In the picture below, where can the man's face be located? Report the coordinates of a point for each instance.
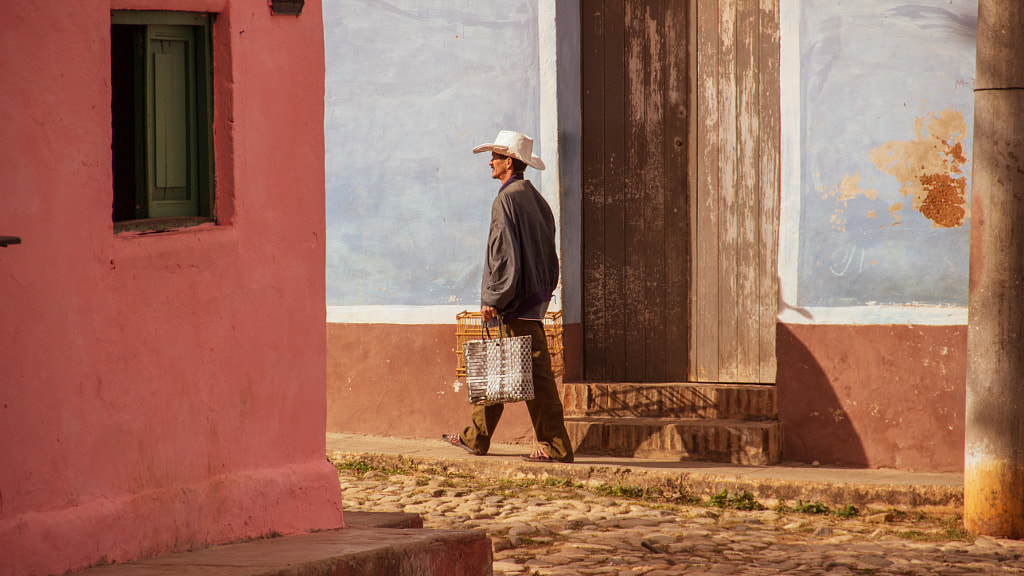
(501, 166)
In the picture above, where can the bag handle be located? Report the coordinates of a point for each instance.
(502, 328)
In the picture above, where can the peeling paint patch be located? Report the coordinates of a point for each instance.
(896, 211)
(837, 414)
(929, 168)
(838, 221)
(847, 190)
(850, 189)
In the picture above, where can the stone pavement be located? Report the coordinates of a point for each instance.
(615, 516)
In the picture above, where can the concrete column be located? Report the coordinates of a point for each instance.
(994, 460)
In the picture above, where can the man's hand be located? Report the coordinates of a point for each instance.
(488, 313)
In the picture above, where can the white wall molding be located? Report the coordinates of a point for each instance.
(393, 314)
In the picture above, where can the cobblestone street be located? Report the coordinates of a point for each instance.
(553, 526)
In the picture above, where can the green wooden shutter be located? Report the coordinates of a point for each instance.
(171, 122)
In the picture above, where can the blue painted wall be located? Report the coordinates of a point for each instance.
(411, 88)
(887, 110)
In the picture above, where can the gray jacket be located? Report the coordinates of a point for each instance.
(521, 269)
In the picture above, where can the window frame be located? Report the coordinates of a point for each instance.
(203, 168)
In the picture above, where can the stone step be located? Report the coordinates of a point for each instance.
(373, 544)
(672, 400)
(719, 440)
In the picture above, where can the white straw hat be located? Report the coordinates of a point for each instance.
(514, 144)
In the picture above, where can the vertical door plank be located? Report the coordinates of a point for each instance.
(693, 179)
(614, 184)
(656, 191)
(634, 190)
(728, 233)
(748, 257)
(592, 162)
(769, 159)
(676, 145)
(705, 329)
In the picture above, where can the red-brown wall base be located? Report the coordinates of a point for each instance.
(873, 396)
(865, 396)
(399, 380)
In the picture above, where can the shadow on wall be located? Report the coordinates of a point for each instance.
(816, 426)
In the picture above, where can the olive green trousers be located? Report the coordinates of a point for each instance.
(545, 408)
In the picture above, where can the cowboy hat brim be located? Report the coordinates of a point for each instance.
(533, 162)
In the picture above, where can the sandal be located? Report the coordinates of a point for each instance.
(539, 456)
(456, 440)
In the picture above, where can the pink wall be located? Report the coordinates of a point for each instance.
(160, 392)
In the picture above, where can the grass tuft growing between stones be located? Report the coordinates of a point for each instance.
(740, 501)
(955, 530)
(848, 511)
(802, 507)
(619, 490)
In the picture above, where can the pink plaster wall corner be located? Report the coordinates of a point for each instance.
(147, 380)
(286, 500)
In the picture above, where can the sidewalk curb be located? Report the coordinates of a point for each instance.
(932, 499)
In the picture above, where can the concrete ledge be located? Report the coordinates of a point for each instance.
(940, 493)
(346, 552)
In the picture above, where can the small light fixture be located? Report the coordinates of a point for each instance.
(287, 7)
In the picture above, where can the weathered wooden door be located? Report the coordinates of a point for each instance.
(635, 203)
(680, 189)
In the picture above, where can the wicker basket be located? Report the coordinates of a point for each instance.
(468, 327)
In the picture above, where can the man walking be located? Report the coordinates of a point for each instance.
(520, 275)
